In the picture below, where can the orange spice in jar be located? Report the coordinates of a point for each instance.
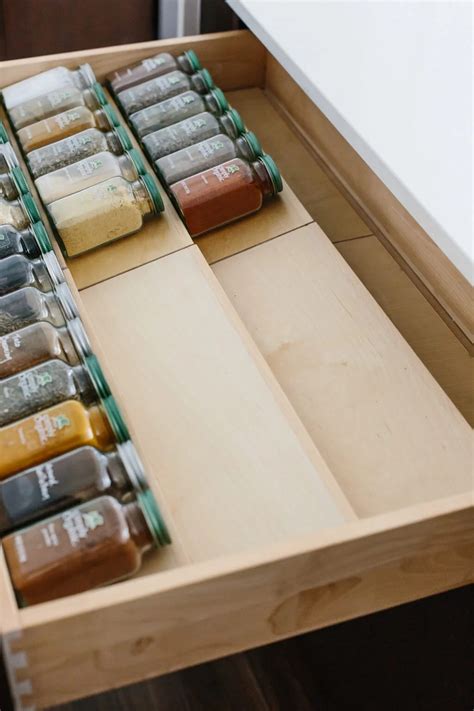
(225, 193)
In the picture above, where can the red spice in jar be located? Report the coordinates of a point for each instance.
(225, 193)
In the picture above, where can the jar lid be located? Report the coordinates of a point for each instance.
(273, 172)
(152, 515)
(193, 59)
(153, 192)
(79, 338)
(132, 465)
(236, 119)
(253, 143)
(66, 301)
(99, 93)
(3, 134)
(219, 96)
(97, 376)
(111, 116)
(30, 207)
(19, 179)
(54, 268)
(123, 138)
(115, 419)
(137, 161)
(88, 74)
(9, 154)
(207, 79)
(39, 231)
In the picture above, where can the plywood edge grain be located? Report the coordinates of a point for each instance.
(379, 207)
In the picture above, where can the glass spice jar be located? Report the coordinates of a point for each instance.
(105, 212)
(8, 158)
(13, 184)
(47, 81)
(68, 480)
(99, 542)
(14, 241)
(225, 193)
(89, 171)
(51, 432)
(27, 306)
(19, 213)
(163, 87)
(192, 130)
(177, 109)
(205, 155)
(18, 271)
(163, 63)
(55, 102)
(41, 342)
(74, 148)
(65, 124)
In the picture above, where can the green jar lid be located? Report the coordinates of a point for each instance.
(97, 376)
(39, 231)
(153, 517)
(222, 102)
(115, 419)
(30, 207)
(236, 119)
(111, 115)
(153, 191)
(3, 134)
(253, 142)
(123, 138)
(137, 161)
(273, 172)
(193, 59)
(99, 93)
(207, 79)
(19, 179)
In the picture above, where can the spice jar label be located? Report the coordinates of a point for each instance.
(153, 63)
(47, 427)
(7, 345)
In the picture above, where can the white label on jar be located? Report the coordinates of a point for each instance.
(20, 548)
(50, 537)
(193, 125)
(151, 63)
(30, 382)
(7, 343)
(78, 525)
(46, 480)
(209, 147)
(87, 167)
(46, 427)
(57, 97)
(63, 120)
(223, 172)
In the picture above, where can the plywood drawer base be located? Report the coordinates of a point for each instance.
(310, 468)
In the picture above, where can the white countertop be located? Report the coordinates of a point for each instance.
(395, 78)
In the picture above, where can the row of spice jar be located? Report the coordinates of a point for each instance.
(74, 143)
(75, 508)
(214, 169)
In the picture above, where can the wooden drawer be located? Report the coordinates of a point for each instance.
(309, 467)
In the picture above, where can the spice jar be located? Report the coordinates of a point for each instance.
(207, 154)
(41, 342)
(13, 184)
(18, 271)
(55, 102)
(177, 109)
(8, 158)
(164, 87)
(99, 542)
(19, 213)
(63, 125)
(25, 242)
(193, 130)
(26, 306)
(68, 480)
(74, 148)
(224, 193)
(87, 172)
(47, 81)
(51, 432)
(105, 212)
(152, 67)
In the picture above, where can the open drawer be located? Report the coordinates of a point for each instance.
(309, 467)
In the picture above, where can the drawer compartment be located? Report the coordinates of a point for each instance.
(309, 467)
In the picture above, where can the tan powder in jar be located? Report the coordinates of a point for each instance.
(97, 215)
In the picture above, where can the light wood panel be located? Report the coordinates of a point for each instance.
(419, 323)
(125, 633)
(235, 59)
(382, 211)
(390, 435)
(323, 200)
(233, 462)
